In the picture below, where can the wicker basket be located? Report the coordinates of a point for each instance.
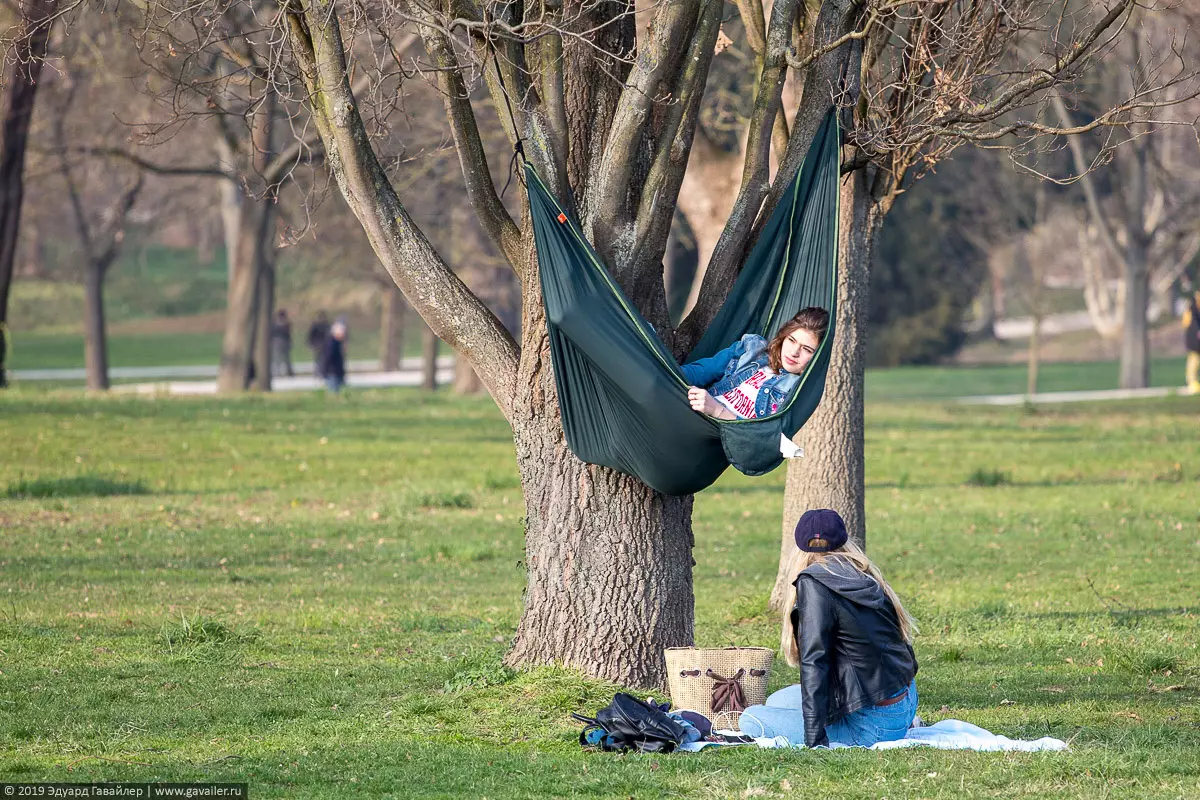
(694, 673)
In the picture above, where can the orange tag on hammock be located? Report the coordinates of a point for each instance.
(562, 217)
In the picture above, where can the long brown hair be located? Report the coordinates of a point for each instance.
(852, 554)
(813, 319)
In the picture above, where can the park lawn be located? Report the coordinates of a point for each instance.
(65, 350)
(314, 594)
(954, 380)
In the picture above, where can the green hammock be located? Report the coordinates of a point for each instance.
(622, 396)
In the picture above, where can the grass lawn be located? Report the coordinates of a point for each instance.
(65, 350)
(943, 382)
(314, 594)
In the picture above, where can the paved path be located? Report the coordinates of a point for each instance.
(201, 370)
(1022, 327)
(1070, 397)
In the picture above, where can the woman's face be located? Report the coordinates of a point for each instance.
(798, 349)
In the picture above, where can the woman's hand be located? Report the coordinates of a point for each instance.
(699, 399)
(704, 403)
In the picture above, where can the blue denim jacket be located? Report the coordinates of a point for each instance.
(729, 367)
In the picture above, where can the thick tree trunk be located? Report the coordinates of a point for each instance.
(429, 354)
(265, 299)
(17, 92)
(391, 329)
(830, 475)
(609, 561)
(95, 340)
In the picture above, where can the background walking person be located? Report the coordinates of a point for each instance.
(1191, 338)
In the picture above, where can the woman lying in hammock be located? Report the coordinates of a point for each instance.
(753, 377)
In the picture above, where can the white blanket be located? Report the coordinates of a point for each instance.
(949, 734)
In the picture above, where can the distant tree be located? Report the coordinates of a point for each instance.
(1141, 230)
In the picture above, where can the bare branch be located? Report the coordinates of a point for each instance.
(482, 192)
(454, 313)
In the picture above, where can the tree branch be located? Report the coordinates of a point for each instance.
(1089, 189)
(455, 314)
(660, 192)
(834, 20)
(493, 216)
(151, 166)
(674, 25)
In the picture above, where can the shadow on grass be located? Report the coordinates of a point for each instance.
(75, 486)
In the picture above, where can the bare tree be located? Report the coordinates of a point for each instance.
(24, 55)
(1141, 234)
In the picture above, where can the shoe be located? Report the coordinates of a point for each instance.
(918, 722)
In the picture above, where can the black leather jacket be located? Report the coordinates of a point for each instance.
(852, 653)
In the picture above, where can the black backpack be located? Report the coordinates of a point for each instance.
(630, 724)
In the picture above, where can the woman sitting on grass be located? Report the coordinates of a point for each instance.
(851, 639)
(753, 377)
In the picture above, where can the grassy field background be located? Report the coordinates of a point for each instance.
(314, 595)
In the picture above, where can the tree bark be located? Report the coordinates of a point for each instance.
(429, 355)
(391, 329)
(265, 300)
(251, 256)
(253, 243)
(22, 68)
(831, 475)
(95, 340)
(609, 561)
(1135, 334)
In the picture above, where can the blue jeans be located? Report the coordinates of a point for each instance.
(334, 384)
(783, 716)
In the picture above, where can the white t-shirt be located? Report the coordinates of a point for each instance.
(742, 398)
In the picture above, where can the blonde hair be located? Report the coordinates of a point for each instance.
(852, 554)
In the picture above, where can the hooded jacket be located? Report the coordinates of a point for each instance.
(852, 652)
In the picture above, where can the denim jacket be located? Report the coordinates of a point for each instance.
(729, 367)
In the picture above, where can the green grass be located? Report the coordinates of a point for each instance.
(314, 596)
(943, 382)
(65, 350)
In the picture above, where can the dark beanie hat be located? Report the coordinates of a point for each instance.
(820, 530)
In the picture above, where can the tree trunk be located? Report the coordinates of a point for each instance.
(429, 354)
(391, 329)
(251, 255)
(466, 381)
(95, 342)
(1035, 348)
(609, 561)
(254, 213)
(1135, 335)
(22, 67)
(265, 299)
(830, 475)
